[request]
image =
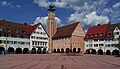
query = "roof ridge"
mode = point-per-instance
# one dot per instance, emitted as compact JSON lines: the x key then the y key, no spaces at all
{"x":70,"y":24}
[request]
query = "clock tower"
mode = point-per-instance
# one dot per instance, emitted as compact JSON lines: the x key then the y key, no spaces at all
{"x":51,"y":26}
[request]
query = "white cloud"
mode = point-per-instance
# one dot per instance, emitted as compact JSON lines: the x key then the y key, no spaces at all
{"x":8,"y":4}
{"x":88,"y":19}
{"x":57,"y":3}
{"x":18,"y":6}
{"x":43,"y":21}
{"x":5,"y":3}
{"x":42,"y":3}
{"x":94,"y":19}
{"x":116,"y":5}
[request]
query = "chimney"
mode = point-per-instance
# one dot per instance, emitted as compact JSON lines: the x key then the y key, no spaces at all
{"x":98,"y":24}
{"x":25,"y":23}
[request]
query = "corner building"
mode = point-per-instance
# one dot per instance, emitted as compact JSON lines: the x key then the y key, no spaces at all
{"x":102,"y":39}
{"x":22,"y":38}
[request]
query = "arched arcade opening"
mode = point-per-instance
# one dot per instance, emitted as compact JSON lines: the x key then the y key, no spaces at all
{"x":25,"y":51}
{"x":18,"y":51}
{"x":67,"y":50}
{"x":2,"y":49}
{"x":54,"y":50}
{"x":44,"y":51}
{"x":62,"y":50}
{"x":93,"y":51}
{"x":11,"y":50}
{"x":100,"y":52}
{"x":58,"y":50}
{"x":74,"y":50}
{"x":33,"y":51}
{"x":39,"y":51}
{"x":115,"y":52}
{"x":108,"y":52}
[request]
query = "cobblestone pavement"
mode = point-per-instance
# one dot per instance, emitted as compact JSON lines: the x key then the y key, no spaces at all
{"x":58,"y":61}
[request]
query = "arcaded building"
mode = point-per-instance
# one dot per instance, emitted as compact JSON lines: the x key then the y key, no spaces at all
{"x":102,"y":39}
{"x":22,"y":38}
{"x":68,"y":38}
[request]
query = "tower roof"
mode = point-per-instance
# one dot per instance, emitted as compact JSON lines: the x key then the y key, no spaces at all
{"x":51,"y":8}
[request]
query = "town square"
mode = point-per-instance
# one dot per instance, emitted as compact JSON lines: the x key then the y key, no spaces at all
{"x":59,"y":34}
{"x":58,"y":61}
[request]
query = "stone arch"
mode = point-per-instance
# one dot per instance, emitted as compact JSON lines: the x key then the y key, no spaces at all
{"x":88,"y":51}
{"x":10,"y":50}
{"x":108,"y":52}
{"x":100,"y":52}
{"x":78,"y":50}
{"x":18,"y":51}
{"x":115,"y":52}
{"x":74,"y":50}
{"x":25,"y":51}
{"x":39,"y":51}
{"x":62,"y":50}
{"x":93,"y":51}
{"x":33,"y":51}
{"x":58,"y":50}
{"x":67,"y":50}
{"x":54,"y":50}
{"x":44,"y":51}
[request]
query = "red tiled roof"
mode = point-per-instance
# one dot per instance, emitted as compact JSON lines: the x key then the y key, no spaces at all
{"x":14,"y":27}
{"x":97,"y":31}
{"x":65,"y":31}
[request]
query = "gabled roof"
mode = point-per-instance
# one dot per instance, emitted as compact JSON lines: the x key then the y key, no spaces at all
{"x":65,"y":31}
{"x":113,"y":26}
{"x":97,"y":31}
{"x":16,"y":28}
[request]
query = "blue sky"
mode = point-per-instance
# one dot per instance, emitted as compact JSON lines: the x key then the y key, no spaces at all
{"x":88,"y":12}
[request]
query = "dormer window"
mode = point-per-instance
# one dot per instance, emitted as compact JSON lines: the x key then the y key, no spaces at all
{"x":23,"y":31}
{"x":16,"y":31}
{"x":96,"y":35}
{"x":87,"y":36}
{"x":1,"y":29}
{"x":9,"y":30}
{"x":101,"y":34}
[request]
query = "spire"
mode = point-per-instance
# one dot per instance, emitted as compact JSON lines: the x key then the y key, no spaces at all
{"x":51,"y":8}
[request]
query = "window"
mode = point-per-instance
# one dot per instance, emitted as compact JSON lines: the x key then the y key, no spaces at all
{"x":22,"y":43}
{"x":95,"y":40}
{"x":96,"y":35}
{"x":101,"y":34}
{"x":116,"y":33}
{"x":33,"y":43}
{"x":16,"y":31}
{"x":2,"y":42}
{"x":101,"y":39}
{"x":100,"y":44}
{"x":1,"y":29}
{"x":23,"y":32}
{"x":95,"y":45}
{"x":15,"y":42}
{"x":39,"y":28}
{"x":86,"y":45}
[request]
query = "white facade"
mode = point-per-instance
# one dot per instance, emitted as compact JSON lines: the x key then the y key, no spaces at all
{"x":104,"y":43}
{"x":18,"y":41}
{"x":39,"y":38}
